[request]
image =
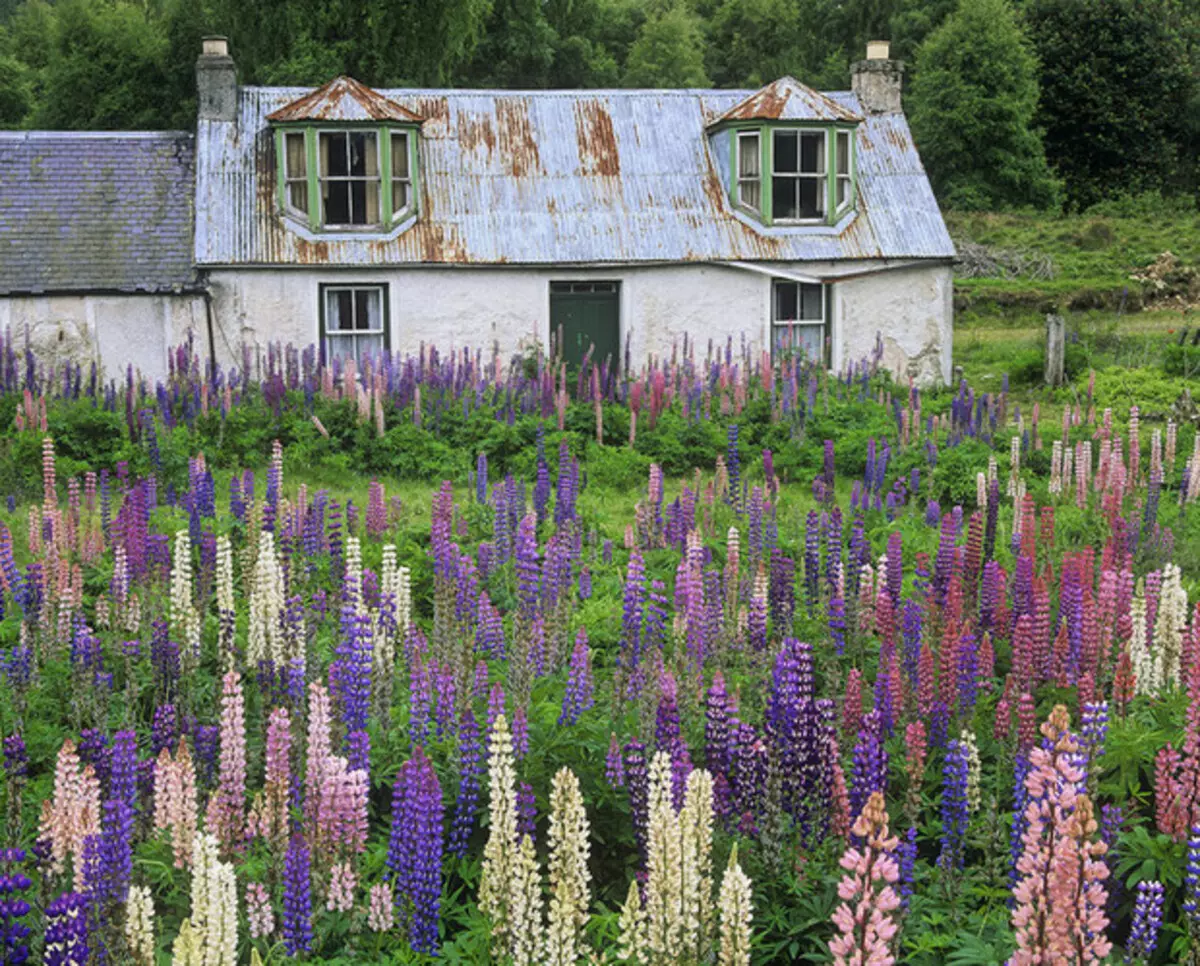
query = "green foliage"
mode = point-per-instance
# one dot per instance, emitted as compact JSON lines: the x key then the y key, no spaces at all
{"x":1182,"y":360}
{"x":1117,"y":80}
{"x":16,"y":90}
{"x":972,"y":107}
{"x":669,"y":51}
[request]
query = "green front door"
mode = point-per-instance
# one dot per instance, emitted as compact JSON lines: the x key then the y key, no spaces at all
{"x":586,"y":315}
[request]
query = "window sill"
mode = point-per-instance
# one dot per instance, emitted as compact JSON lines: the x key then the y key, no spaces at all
{"x":347,"y":232}
{"x":784,"y":228}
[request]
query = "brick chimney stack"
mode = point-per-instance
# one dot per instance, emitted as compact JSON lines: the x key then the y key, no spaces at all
{"x":216,"y":81}
{"x":878,"y":79}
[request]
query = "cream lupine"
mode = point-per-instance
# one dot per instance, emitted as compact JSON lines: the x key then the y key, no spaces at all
{"x":527,"y":937}
{"x":1144,"y":665}
{"x":736,"y":914}
{"x":500,"y":855}
{"x":1169,"y":626}
{"x":184,"y":618}
{"x":226,"y":613}
{"x":352,"y":582}
{"x":635,"y":940}
{"x":974,"y":769}
{"x":696,"y":823}
{"x":212,"y":927}
{"x":569,"y":875}
{"x":175,"y":805}
{"x":139,"y":925}
{"x":73,"y":813}
{"x":265,"y":640}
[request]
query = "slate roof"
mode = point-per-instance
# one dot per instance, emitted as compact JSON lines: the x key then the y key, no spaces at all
{"x":559,"y":178}
{"x":96,"y":211}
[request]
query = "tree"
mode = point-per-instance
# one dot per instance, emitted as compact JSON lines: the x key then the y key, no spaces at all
{"x":972,"y":105}
{"x":517,"y":48}
{"x":16,"y":91}
{"x":1116,"y":84}
{"x":669,"y":51}
{"x":753,"y":42}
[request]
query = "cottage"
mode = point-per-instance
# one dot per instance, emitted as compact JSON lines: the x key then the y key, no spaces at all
{"x":606,"y":221}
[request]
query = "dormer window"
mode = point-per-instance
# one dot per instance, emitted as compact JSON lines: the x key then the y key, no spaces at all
{"x":791,"y":155}
{"x":347,"y":159}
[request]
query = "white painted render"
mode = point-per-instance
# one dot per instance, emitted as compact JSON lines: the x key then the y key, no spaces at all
{"x":453,"y":307}
{"x":115,"y":331}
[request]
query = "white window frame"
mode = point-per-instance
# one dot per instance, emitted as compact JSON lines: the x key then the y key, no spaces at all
{"x":757,"y":177}
{"x":821,"y":177}
{"x":791,"y":325}
{"x":841,"y":201}
{"x":353,"y":335}
{"x":323,"y":179}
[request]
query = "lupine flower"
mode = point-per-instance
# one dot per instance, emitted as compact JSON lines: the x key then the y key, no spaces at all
{"x":955,"y":809}
{"x":866,"y":918}
{"x":1191,"y":881}
{"x":578,"y":695}
{"x":380,"y":917}
{"x":1147,"y":920}
{"x":736,"y":914}
{"x":139,"y":926}
{"x":227,"y":808}
{"x":67,"y":931}
{"x":469,"y":769}
{"x":259,"y":912}
{"x":569,"y":875}
{"x":497,"y":876}
{"x":415,"y":850}
{"x":297,"y":898}
{"x":14,"y":931}
{"x":73,"y":813}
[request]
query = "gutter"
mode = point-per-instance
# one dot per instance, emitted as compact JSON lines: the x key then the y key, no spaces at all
{"x":810,"y":279}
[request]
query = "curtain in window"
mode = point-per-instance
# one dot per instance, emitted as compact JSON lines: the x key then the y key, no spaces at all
{"x":296,"y":171}
{"x":749,"y":172}
{"x":401,"y":180}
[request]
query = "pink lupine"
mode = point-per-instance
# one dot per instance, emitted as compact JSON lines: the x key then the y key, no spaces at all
{"x":72,"y":814}
{"x":866,"y":919}
{"x":227,"y":807}
{"x":175,"y":806}
{"x":1060,"y":898}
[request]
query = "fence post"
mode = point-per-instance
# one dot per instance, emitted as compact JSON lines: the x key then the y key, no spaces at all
{"x":1056,"y":348}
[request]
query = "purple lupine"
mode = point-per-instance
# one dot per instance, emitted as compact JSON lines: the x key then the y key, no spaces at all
{"x":66,"y":942}
{"x":812,"y":559}
{"x":415,"y":850}
{"x":495,"y":705}
{"x":520,"y":733}
{"x":469,"y":769}
{"x":1191,"y":879}
{"x":716,"y":726}
{"x":912,"y":617}
{"x":420,"y":700}
{"x":14,"y":932}
{"x":1147,"y":920}
{"x":481,"y":479}
{"x":614,"y":766}
{"x":528,"y":571}
{"x":354,"y":670}
{"x":634,"y":610}
{"x":836,"y":616}
{"x":1094,"y":728}
{"x":16,"y":758}
{"x":733,"y":466}
{"x":955,"y":813}
{"x":568,"y":485}
{"x":526,"y":811}
{"x":578,"y":695}
{"x":781,"y":591}
{"x":637,"y":780}
{"x":297,"y":898}
{"x":122,"y":781}
{"x":1016,"y":844}
{"x":869,"y":766}
{"x":115,"y":853}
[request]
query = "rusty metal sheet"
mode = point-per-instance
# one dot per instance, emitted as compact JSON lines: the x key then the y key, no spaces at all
{"x":788,"y":100}
{"x":343,"y":99}
{"x":560,"y":177}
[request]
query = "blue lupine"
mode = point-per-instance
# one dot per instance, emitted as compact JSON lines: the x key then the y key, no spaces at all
{"x":955,"y":814}
{"x":1147,"y":920}
{"x":297,"y":898}
{"x":415,"y":850}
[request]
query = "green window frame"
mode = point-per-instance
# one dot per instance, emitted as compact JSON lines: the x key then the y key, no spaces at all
{"x":825,"y":177}
{"x":377,"y":183}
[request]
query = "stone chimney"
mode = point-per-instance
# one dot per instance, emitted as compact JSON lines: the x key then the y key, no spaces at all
{"x":877,"y":80}
{"x":216,"y":81}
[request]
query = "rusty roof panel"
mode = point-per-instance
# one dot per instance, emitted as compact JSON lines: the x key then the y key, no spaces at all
{"x":560,"y":177}
{"x":343,"y":99}
{"x":788,"y":100}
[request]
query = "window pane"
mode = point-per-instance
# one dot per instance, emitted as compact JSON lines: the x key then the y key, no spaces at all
{"x":749,"y":156}
{"x":399,"y":196}
{"x":812,"y":152}
{"x":368,"y":345}
{"x":783,"y":198}
{"x":370,"y":209}
{"x":806,"y":339}
{"x":297,"y":192}
{"x":812,"y":197}
{"x":810,"y":303}
{"x":399,"y":155}
{"x":750,"y":194}
{"x":296,"y":164}
{"x":843,"y":153}
{"x":785,"y":151}
{"x":336,"y":199}
{"x":358,"y":154}
{"x":334,"y":159}
{"x":785,"y":300}
{"x":843,"y":191}
{"x":339,"y":309}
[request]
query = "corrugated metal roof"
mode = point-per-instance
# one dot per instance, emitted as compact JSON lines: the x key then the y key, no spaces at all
{"x":560,"y":177}
{"x":95,"y":211}
{"x":788,"y":100}
{"x":343,"y":99}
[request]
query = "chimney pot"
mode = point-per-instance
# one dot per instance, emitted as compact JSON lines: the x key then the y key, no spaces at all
{"x":878,"y":50}
{"x":216,"y":81}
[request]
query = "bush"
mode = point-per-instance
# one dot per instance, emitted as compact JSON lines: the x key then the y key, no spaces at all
{"x":1182,"y":360}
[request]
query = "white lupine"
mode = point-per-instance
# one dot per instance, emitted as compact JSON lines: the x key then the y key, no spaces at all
{"x":225,"y":596}
{"x":736,"y":914}
{"x":139,"y":925}
{"x":527,"y":937}
{"x":1056,"y":461}
{"x":352,"y":582}
{"x":1170,"y":625}
{"x":981,"y":489}
{"x":396,"y":582}
{"x":265,"y":641}
{"x":696,"y":824}
{"x":974,"y":770}
{"x":635,"y":944}
{"x":664,"y":884}
{"x":569,"y":875}
{"x":1144,"y":666}
{"x":1014,"y":475}
{"x":212,"y":929}
{"x":500,"y":853}
{"x":184,"y":619}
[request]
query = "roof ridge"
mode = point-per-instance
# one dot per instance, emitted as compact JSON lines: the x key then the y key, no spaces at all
{"x":95,"y":135}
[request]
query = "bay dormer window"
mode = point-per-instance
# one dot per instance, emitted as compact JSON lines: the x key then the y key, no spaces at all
{"x":791,"y":155}
{"x":347,"y":160}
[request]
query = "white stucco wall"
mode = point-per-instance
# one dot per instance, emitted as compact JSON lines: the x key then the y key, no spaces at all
{"x":457,"y":307}
{"x":113,"y":330}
